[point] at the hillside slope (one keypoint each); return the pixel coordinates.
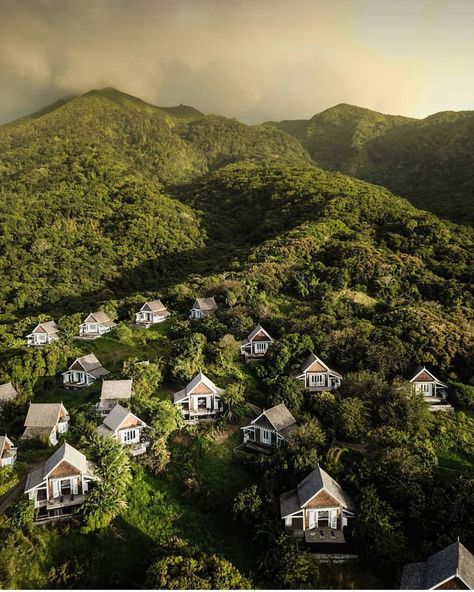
(429, 161)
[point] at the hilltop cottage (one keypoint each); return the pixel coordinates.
(256, 344)
(83, 372)
(7, 452)
(317, 376)
(7, 394)
(151, 313)
(200, 399)
(318, 510)
(48, 420)
(269, 430)
(58, 487)
(203, 307)
(95, 325)
(112, 393)
(43, 334)
(125, 427)
(452, 568)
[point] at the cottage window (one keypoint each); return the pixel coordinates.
(260, 347)
(317, 379)
(202, 403)
(129, 436)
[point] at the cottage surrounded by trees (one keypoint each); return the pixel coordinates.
(318, 510)
(151, 313)
(7, 451)
(317, 376)
(46, 420)
(96, 324)
(43, 334)
(7, 394)
(200, 399)
(257, 343)
(59, 486)
(203, 307)
(83, 372)
(452, 568)
(426, 383)
(124, 427)
(113, 392)
(269, 429)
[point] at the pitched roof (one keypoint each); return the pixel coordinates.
(115, 418)
(7, 392)
(116, 389)
(48, 327)
(313, 358)
(317, 480)
(66, 453)
(205, 304)
(100, 317)
(154, 306)
(279, 417)
(91, 365)
(188, 389)
(423, 369)
(43, 415)
(452, 561)
(256, 331)
(3, 441)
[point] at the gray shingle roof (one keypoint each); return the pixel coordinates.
(100, 317)
(48, 327)
(43, 415)
(452, 561)
(155, 306)
(309, 487)
(116, 389)
(205, 304)
(314, 358)
(67, 453)
(200, 377)
(115, 418)
(91, 365)
(279, 416)
(255, 332)
(7, 392)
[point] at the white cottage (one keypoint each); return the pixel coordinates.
(317, 376)
(43, 334)
(83, 372)
(200, 399)
(151, 313)
(257, 343)
(49, 420)
(317, 509)
(269, 429)
(59, 486)
(203, 307)
(95, 325)
(125, 427)
(426, 383)
(7, 451)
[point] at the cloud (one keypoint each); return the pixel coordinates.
(251, 59)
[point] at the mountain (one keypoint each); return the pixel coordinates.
(429, 161)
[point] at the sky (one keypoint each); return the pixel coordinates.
(255, 60)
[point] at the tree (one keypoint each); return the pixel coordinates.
(188, 356)
(353, 415)
(20, 515)
(305, 446)
(234, 401)
(247, 505)
(382, 542)
(290, 391)
(147, 377)
(157, 455)
(108, 496)
(195, 571)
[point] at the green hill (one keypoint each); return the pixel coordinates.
(429, 161)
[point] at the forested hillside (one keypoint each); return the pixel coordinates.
(107, 202)
(429, 161)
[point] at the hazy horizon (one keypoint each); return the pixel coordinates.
(256, 61)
